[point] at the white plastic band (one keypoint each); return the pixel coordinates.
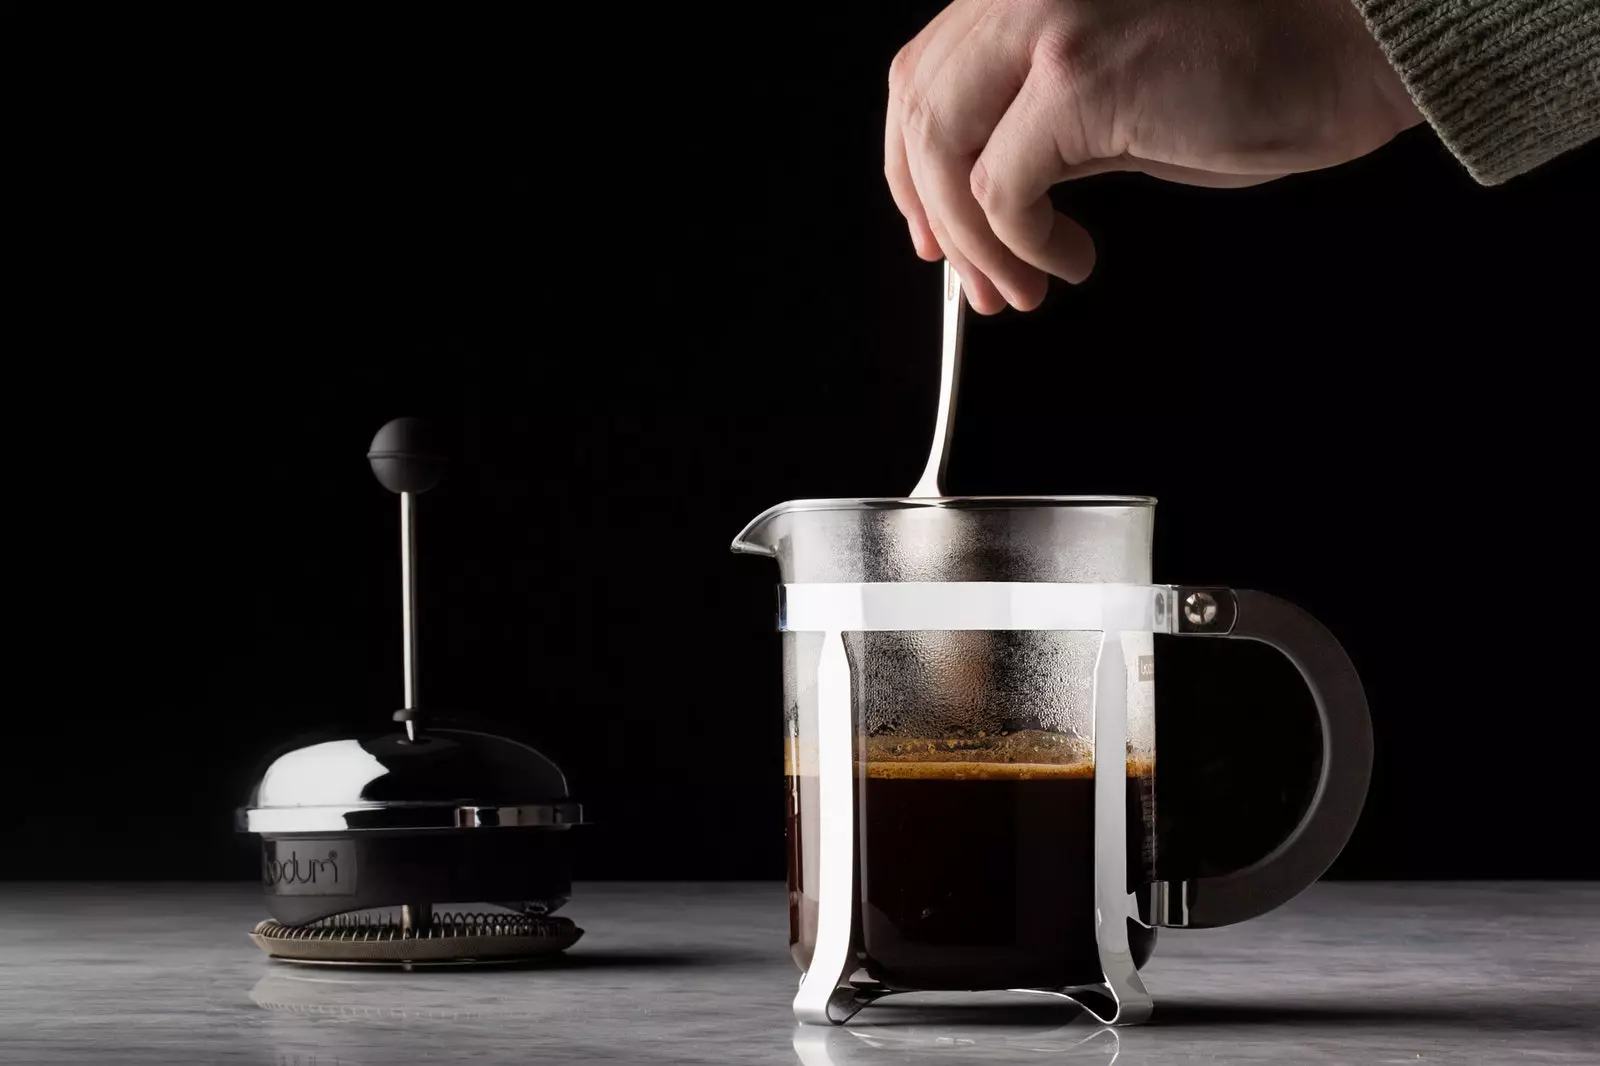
(969, 605)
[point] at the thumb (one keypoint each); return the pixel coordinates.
(1039, 142)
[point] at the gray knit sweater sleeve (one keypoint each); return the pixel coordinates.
(1507, 84)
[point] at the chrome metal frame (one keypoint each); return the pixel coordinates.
(408, 816)
(832, 989)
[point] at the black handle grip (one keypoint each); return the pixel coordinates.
(1341, 791)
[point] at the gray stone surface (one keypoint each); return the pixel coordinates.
(1350, 973)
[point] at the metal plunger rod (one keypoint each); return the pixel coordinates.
(406, 461)
(415, 918)
(408, 601)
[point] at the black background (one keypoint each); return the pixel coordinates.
(648, 277)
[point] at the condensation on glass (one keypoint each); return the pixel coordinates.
(969, 746)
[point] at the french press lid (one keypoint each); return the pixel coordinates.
(441, 779)
(414, 817)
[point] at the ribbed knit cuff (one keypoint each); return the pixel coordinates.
(1507, 84)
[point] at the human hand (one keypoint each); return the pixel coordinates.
(998, 100)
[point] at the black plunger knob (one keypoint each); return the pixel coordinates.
(406, 457)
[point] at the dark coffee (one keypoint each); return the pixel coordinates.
(975, 874)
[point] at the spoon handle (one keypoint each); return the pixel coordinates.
(931, 484)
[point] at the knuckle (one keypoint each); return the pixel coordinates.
(919, 118)
(1058, 48)
(900, 68)
(986, 188)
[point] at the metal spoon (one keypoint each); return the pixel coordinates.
(931, 484)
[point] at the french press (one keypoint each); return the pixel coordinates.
(418, 845)
(970, 747)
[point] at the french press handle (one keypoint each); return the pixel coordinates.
(1325, 828)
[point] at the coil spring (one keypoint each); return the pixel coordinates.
(367, 926)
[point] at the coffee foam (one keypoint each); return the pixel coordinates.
(1030, 754)
(979, 771)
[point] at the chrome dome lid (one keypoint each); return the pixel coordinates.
(444, 779)
(418, 777)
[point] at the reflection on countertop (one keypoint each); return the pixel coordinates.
(945, 1029)
(686, 973)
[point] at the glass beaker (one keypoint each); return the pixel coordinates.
(970, 747)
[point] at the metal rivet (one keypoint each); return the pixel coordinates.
(1161, 608)
(1199, 608)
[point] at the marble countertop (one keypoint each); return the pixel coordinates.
(676, 973)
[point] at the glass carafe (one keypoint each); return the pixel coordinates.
(969, 744)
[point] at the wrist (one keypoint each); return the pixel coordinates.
(1392, 90)
(1389, 86)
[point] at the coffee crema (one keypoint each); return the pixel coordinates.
(1031, 753)
(974, 860)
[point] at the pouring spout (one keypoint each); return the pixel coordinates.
(759, 536)
(772, 532)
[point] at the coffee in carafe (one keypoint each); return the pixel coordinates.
(975, 875)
